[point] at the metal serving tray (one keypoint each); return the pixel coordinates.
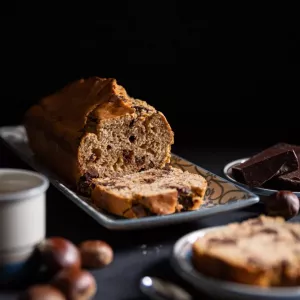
(221, 195)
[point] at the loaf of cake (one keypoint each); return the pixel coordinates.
(151, 192)
(92, 128)
(263, 251)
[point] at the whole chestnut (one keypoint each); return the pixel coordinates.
(58, 253)
(95, 254)
(42, 292)
(282, 204)
(75, 284)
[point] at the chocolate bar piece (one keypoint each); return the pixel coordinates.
(275, 161)
(290, 181)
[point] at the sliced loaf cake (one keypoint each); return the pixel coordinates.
(93, 128)
(263, 251)
(152, 192)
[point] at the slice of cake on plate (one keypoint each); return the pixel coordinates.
(152, 192)
(263, 251)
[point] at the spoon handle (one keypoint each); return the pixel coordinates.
(158, 289)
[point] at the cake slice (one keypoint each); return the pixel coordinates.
(277, 160)
(263, 251)
(152, 192)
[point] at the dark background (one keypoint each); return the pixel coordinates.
(223, 76)
(226, 77)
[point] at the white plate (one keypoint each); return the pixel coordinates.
(221, 195)
(181, 262)
(259, 191)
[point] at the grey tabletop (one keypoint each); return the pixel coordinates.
(137, 253)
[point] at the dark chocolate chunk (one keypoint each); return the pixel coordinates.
(91, 123)
(272, 162)
(131, 123)
(290, 181)
(127, 156)
(132, 139)
(185, 198)
(85, 184)
(186, 202)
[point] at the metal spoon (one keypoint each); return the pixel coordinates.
(158, 289)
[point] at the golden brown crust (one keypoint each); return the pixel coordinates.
(57, 126)
(48, 149)
(113, 203)
(221, 269)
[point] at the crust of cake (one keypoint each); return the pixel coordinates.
(219, 255)
(61, 128)
(140, 206)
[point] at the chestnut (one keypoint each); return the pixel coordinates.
(58, 253)
(42, 292)
(282, 204)
(95, 254)
(75, 284)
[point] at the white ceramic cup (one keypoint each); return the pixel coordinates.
(22, 218)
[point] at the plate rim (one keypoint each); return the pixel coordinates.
(180, 265)
(132, 224)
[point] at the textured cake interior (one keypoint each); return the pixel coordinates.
(160, 191)
(126, 144)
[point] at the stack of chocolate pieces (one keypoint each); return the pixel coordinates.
(277, 167)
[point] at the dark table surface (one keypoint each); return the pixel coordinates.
(137, 253)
